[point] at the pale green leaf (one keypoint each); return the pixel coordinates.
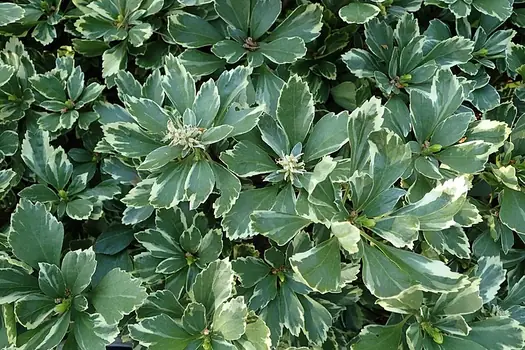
(35, 235)
(116, 295)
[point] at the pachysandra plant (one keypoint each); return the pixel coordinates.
(50, 296)
(280, 157)
(65, 193)
(41, 17)
(64, 97)
(262, 174)
(16, 95)
(182, 245)
(125, 22)
(211, 319)
(248, 23)
(403, 58)
(175, 144)
(278, 294)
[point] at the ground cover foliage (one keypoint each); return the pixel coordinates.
(261, 174)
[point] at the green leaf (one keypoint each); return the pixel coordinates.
(450, 52)
(32, 310)
(194, 318)
(114, 239)
(462, 302)
(192, 31)
(10, 13)
(320, 266)
(247, 159)
(77, 268)
(229, 187)
(257, 336)
(466, 158)
(200, 63)
(92, 332)
(159, 333)
(451, 130)
(49, 86)
(51, 281)
(382, 337)
(199, 183)
(363, 121)
(148, 114)
(290, 309)
(317, 320)
(263, 15)
(453, 240)
(8, 143)
(243, 120)
(90, 94)
(283, 50)
(295, 109)
(6, 72)
(268, 89)
(429, 110)
(48, 163)
(279, 227)
(168, 190)
(361, 63)
(274, 135)
(39, 193)
(178, 85)
(15, 284)
(35, 235)
(114, 59)
(216, 134)
(231, 84)
(213, 285)
(328, 135)
(47, 336)
(206, 104)
(387, 152)
(501, 9)
(490, 271)
(358, 13)
(235, 13)
(159, 157)
(210, 247)
(236, 222)
(388, 272)
(401, 231)
(116, 295)
(79, 209)
(139, 33)
(229, 319)
(250, 270)
(161, 302)
(492, 333)
(190, 240)
(129, 139)
(304, 22)
(489, 131)
(436, 210)
(75, 84)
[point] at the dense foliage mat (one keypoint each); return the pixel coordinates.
(261, 174)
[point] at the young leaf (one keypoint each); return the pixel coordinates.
(295, 109)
